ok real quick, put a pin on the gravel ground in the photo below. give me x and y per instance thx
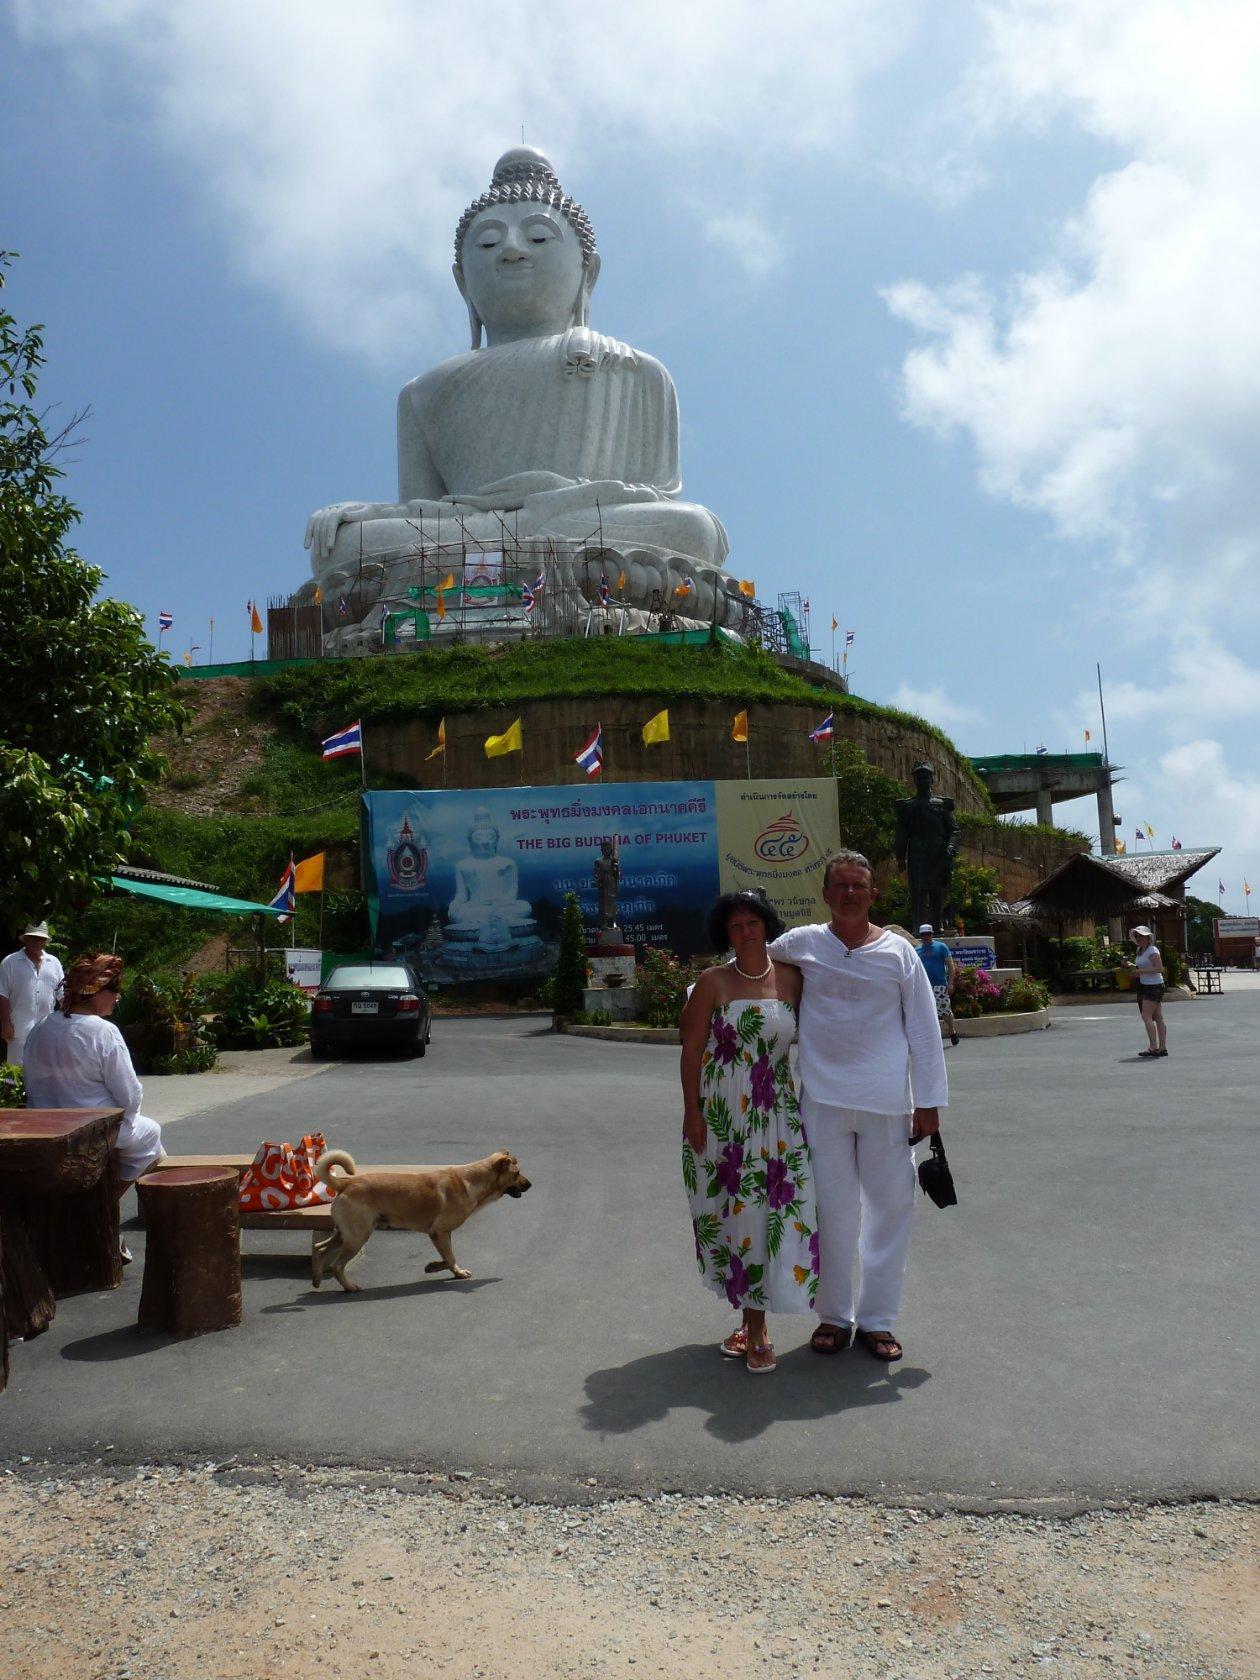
(158, 1573)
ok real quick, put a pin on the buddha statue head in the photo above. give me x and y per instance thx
(483, 834)
(525, 257)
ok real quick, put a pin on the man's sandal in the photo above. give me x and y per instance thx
(761, 1359)
(736, 1344)
(831, 1338)
(880, 1344)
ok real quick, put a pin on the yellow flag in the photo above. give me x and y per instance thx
(1088, 737)
(441, 746)
(508, 742)
(656, 729)
(319, 596)
(1150, 832)
(255, 623)
(621, 580)
(308, 876)
(188, 659)
(1121, 848)
(740, 731)
(747, 587)
(835, 625)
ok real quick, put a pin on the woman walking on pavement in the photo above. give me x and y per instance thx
(746, 1162)
(1150, 990)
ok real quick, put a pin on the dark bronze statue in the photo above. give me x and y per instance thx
(926, 843)
(607, 882)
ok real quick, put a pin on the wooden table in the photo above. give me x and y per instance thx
(58, 1209)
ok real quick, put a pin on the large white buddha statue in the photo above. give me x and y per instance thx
(548, 435)
(486, 908)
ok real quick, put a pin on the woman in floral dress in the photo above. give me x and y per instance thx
(746, 1161)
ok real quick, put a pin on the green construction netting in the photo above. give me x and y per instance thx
(191, 898)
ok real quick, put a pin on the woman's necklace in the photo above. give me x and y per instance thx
(765, 971)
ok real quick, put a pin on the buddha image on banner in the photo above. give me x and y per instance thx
(776, 836)
(470, 883)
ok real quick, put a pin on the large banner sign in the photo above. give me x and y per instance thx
(470, 884)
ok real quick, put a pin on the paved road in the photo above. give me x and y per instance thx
(1077, 1327)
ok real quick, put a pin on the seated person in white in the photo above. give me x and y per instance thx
(77, 1058)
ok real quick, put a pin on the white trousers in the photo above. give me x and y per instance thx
(864, 1179)
(139, 1146)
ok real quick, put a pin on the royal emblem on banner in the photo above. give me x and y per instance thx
(783, 841)
(407, 861)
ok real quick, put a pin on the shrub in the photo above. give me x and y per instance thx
(1024, 994)
(12, 1086)
(257, 1011)
(161, 1021)
(975, 994)
(662, 981)
(599, 1018)
(569, 979)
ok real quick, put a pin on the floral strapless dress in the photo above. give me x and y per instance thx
(752, 1189)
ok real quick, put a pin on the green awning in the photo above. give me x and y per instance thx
(192, 899)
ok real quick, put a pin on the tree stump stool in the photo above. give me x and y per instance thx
(58, 1209)
(192, 1256)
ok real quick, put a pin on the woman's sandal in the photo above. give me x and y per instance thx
(831, 1338)
(761, 1359)
(736, 1344)
(880, 1344)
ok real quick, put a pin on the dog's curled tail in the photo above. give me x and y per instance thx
(334, 1167)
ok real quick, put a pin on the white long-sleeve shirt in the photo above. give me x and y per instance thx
(80, 1061)
(869, 1034)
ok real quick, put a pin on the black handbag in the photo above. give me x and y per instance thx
(935, 1178)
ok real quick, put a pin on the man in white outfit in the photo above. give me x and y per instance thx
(872, 1073)
(28, 989)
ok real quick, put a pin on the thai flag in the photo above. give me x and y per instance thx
(342, 608)
(591, 757)
(826, 729)
(286, 898)
(1041, 753)
(344, 742)
(848, 637)
(603, 590)
(165, 620)
(540, 583)
(1176, 845)
(529, 599)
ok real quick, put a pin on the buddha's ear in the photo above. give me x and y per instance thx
(474, 320)
(590, 274)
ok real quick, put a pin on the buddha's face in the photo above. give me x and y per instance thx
(522, 268)
(483, 840)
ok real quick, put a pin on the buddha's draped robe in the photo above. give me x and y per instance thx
(525, 407)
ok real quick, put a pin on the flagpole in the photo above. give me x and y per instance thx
(362, 759)
(1103, 710)
(212, 641)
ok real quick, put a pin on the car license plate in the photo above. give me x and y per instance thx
(363, 1008)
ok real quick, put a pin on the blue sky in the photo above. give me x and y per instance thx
(959, 300)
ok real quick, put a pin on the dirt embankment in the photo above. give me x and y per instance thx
(221, 748)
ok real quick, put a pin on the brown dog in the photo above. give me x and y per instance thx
(434, 1200)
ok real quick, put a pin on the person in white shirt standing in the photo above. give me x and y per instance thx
(872, 1073)
(28, 989)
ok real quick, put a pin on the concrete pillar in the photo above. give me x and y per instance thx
(1106, 821)
(1045, 808)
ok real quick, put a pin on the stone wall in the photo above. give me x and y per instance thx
(1021, 859)
(700, 745)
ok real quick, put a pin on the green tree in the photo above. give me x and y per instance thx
(867, 802)
(570, 975)
(972, 886)
(82, 691)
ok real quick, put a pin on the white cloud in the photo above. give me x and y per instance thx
(935, 704)
(1220, 804)
(336, 146)
(1199, 683)
(1115, 386)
